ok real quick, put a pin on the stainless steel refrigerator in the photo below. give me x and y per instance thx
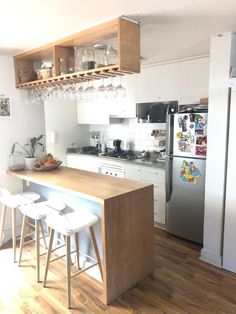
(185, 173)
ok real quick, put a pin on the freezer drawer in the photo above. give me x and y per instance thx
(185, 188)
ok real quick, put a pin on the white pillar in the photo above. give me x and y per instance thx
(220, 63)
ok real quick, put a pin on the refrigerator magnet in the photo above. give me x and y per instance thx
(189, 172)
(201, 150)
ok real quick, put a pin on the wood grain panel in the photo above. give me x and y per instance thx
(129, 46)
(128, 241)
(90, 185)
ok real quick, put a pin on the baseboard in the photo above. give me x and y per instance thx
(211, 258)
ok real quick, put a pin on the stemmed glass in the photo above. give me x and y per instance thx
(101, 90)
(110, 89)
(120, 90)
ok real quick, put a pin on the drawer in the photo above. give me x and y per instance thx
(159, 204)
(159, 190)
(153, 175)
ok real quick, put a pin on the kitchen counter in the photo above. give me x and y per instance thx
(138, 161)
(126, 223)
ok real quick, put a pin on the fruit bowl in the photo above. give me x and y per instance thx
(38, 167)
(46, 163)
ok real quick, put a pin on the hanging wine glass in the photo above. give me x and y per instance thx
(110, 89)
(101, 90)
(120, 90)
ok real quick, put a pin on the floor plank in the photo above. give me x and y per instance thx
(180, 284)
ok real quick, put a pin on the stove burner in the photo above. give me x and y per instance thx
(122, 154)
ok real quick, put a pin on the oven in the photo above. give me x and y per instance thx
(114, 170)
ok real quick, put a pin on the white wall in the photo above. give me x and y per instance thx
(220, 63)
(61, 119)
(135, 136)
(24, 122)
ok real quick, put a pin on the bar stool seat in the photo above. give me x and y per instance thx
(13, 201)
(36, 212)
(16, 200)
(69, 224)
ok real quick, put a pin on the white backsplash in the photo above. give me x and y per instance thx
(136, 136)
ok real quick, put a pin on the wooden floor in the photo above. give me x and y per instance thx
(181, 283)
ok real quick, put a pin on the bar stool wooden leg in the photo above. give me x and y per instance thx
(37, 249)
(43, 234)
(48, 256)
(3, 216)
(68, 270)
(22, 238)
(93, 238)
(77, 249)
(14, 233)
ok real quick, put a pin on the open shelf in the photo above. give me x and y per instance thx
(126, 33)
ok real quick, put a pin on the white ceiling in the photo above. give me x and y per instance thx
(170, 29)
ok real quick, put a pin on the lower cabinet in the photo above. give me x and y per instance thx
(155, 176)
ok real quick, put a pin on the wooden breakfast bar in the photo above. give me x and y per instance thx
(126, 222)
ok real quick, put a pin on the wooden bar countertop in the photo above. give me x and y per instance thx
(126, 223)
(93, 186)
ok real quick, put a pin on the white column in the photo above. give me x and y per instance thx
(220, 63)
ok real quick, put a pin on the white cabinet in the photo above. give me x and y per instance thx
(124, 107)
(92, 112)
(157, 177)
(132, 172)
(88, 163)
(158, 83)
(194, 80)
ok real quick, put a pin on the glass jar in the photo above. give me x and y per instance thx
(78, 53)
(63, 66)
(71, 64)
(112, 56)
(16, 161)
(100, 55)
(88, 62)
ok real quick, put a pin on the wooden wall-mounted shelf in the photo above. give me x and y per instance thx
(125, 32)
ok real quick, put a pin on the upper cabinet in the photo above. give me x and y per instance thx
(158, 83)
(124, 106)
(194, 80)
(121, 35)
(186, 81)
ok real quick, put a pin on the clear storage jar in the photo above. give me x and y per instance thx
(100, 55)
(112, 56)
(88, 62)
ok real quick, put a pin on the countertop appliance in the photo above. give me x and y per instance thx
(155, 112)
(185, 173)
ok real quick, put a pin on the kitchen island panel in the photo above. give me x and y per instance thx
(128, 241)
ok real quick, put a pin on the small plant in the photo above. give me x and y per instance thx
(30, 147)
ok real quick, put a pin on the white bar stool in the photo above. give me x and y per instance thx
(36, 212)
(70, 224)
(13, 201)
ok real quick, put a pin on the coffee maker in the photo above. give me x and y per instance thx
(116, 144)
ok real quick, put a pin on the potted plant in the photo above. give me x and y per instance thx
(30, 149)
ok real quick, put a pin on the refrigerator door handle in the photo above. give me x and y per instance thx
(168, 179)
(169, 133)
